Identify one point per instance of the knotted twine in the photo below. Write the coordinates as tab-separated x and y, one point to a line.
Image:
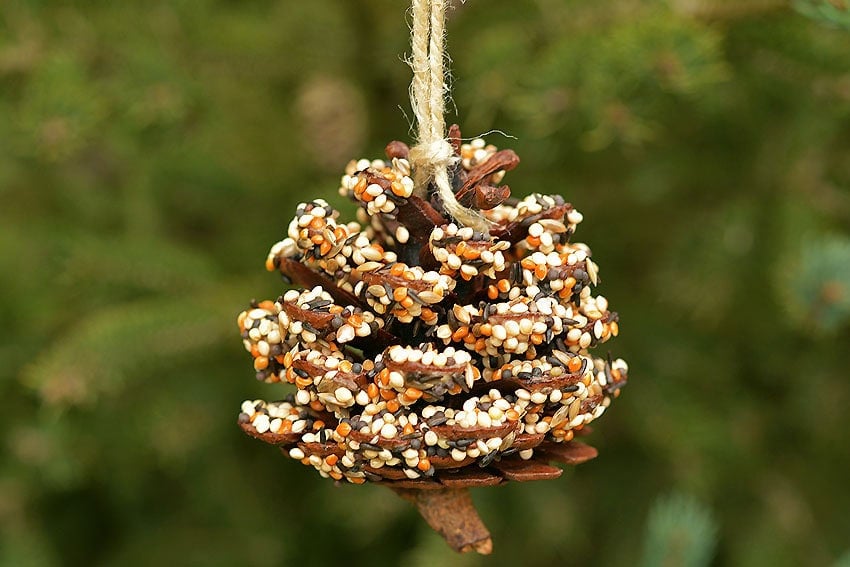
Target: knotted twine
433	155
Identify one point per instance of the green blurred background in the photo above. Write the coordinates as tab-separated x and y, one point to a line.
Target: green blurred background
151	153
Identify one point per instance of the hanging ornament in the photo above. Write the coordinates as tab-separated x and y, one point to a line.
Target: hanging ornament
443	341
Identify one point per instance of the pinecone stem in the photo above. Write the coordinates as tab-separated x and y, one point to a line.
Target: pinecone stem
452	514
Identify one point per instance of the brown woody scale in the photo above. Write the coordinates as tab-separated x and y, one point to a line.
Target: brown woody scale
427	355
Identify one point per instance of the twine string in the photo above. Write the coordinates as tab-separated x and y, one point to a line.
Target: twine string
433	156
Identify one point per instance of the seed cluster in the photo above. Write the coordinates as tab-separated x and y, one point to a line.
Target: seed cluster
420	348
467	253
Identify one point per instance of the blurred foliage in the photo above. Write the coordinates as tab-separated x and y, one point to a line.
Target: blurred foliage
680	532
830	12
150	154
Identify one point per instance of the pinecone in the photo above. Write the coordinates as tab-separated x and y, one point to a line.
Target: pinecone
428	355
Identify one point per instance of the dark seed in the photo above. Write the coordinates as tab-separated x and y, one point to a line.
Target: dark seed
412	295
488	459
437	420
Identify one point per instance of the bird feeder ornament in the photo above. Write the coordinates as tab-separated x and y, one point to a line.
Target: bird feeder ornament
446	339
